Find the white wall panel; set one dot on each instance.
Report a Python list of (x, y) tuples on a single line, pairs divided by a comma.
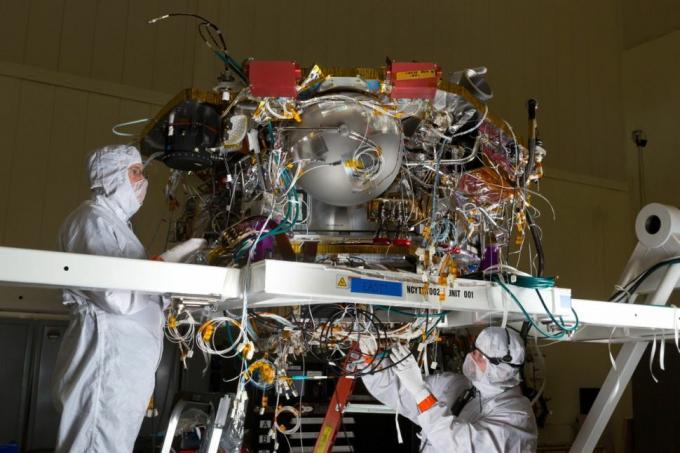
[(14, 30), (652, 97), (110, 37), (10, 91), (140, 44), (645, 20), (77, 36), (44, 33), (28, 172), (64, 178)]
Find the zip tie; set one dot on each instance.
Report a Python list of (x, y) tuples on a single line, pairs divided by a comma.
[(609, 345), (425, 367), (624, 291), (505, 312), (651, 360), (400, 440), (662, 352), (675, 327)]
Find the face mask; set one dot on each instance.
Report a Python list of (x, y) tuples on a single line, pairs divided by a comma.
[(471, 369), (140, 190), (480, 379)]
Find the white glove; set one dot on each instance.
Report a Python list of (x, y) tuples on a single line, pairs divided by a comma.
[(408, 372), (182, 251), (368, 345)]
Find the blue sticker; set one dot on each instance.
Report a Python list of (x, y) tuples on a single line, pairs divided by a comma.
[(379, 287)]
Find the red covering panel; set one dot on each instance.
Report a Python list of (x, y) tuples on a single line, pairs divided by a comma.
[(414, 80), (273, 78)]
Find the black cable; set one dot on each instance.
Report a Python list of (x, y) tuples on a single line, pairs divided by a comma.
[(199, 17), (381, 331), (532, 105), (375, 322), (219, 45), (635, 283), (207, 28), (536, 236), (364, 317)]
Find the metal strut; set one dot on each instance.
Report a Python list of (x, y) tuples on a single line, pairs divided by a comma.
[(618, 377)]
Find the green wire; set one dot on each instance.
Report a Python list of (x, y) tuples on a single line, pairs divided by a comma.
[(227, 60), (528, 317), (532, 282), (537, 283), (552, 318), (524, 282)]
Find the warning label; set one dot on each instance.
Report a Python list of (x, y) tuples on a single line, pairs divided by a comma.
[(341, 282), (415, 75)]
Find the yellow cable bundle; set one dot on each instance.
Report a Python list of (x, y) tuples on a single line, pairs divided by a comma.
[(207, 330), (266, 370)]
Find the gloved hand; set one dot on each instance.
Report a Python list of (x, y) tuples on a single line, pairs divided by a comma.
[(368, 345), (182, 251), (408, 372)]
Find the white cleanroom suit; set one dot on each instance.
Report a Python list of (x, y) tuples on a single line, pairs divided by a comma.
[(497, 419), (105, 368)]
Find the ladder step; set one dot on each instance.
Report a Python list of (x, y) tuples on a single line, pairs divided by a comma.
[(314, 435), (336, 448), (319, 420)]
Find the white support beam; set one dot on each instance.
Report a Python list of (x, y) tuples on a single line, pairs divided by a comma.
[(602, 334), (282, 283), (608, 397), (618, 377), (610, 314), (25, 267)]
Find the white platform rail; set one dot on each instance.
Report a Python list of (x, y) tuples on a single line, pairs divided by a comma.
[(39, 268), (280, 283)]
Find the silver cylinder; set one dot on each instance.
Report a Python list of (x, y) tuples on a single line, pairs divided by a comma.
[(351, 152)]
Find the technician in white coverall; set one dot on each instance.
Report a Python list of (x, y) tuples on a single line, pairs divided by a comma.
[(104, 376), (492, 417)]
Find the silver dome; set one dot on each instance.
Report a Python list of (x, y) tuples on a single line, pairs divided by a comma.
[(351, 152)]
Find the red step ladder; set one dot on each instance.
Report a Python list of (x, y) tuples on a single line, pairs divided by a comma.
[(343, 390)]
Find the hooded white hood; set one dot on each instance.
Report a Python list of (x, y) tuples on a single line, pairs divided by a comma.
[(495, 342), (108, 171)]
